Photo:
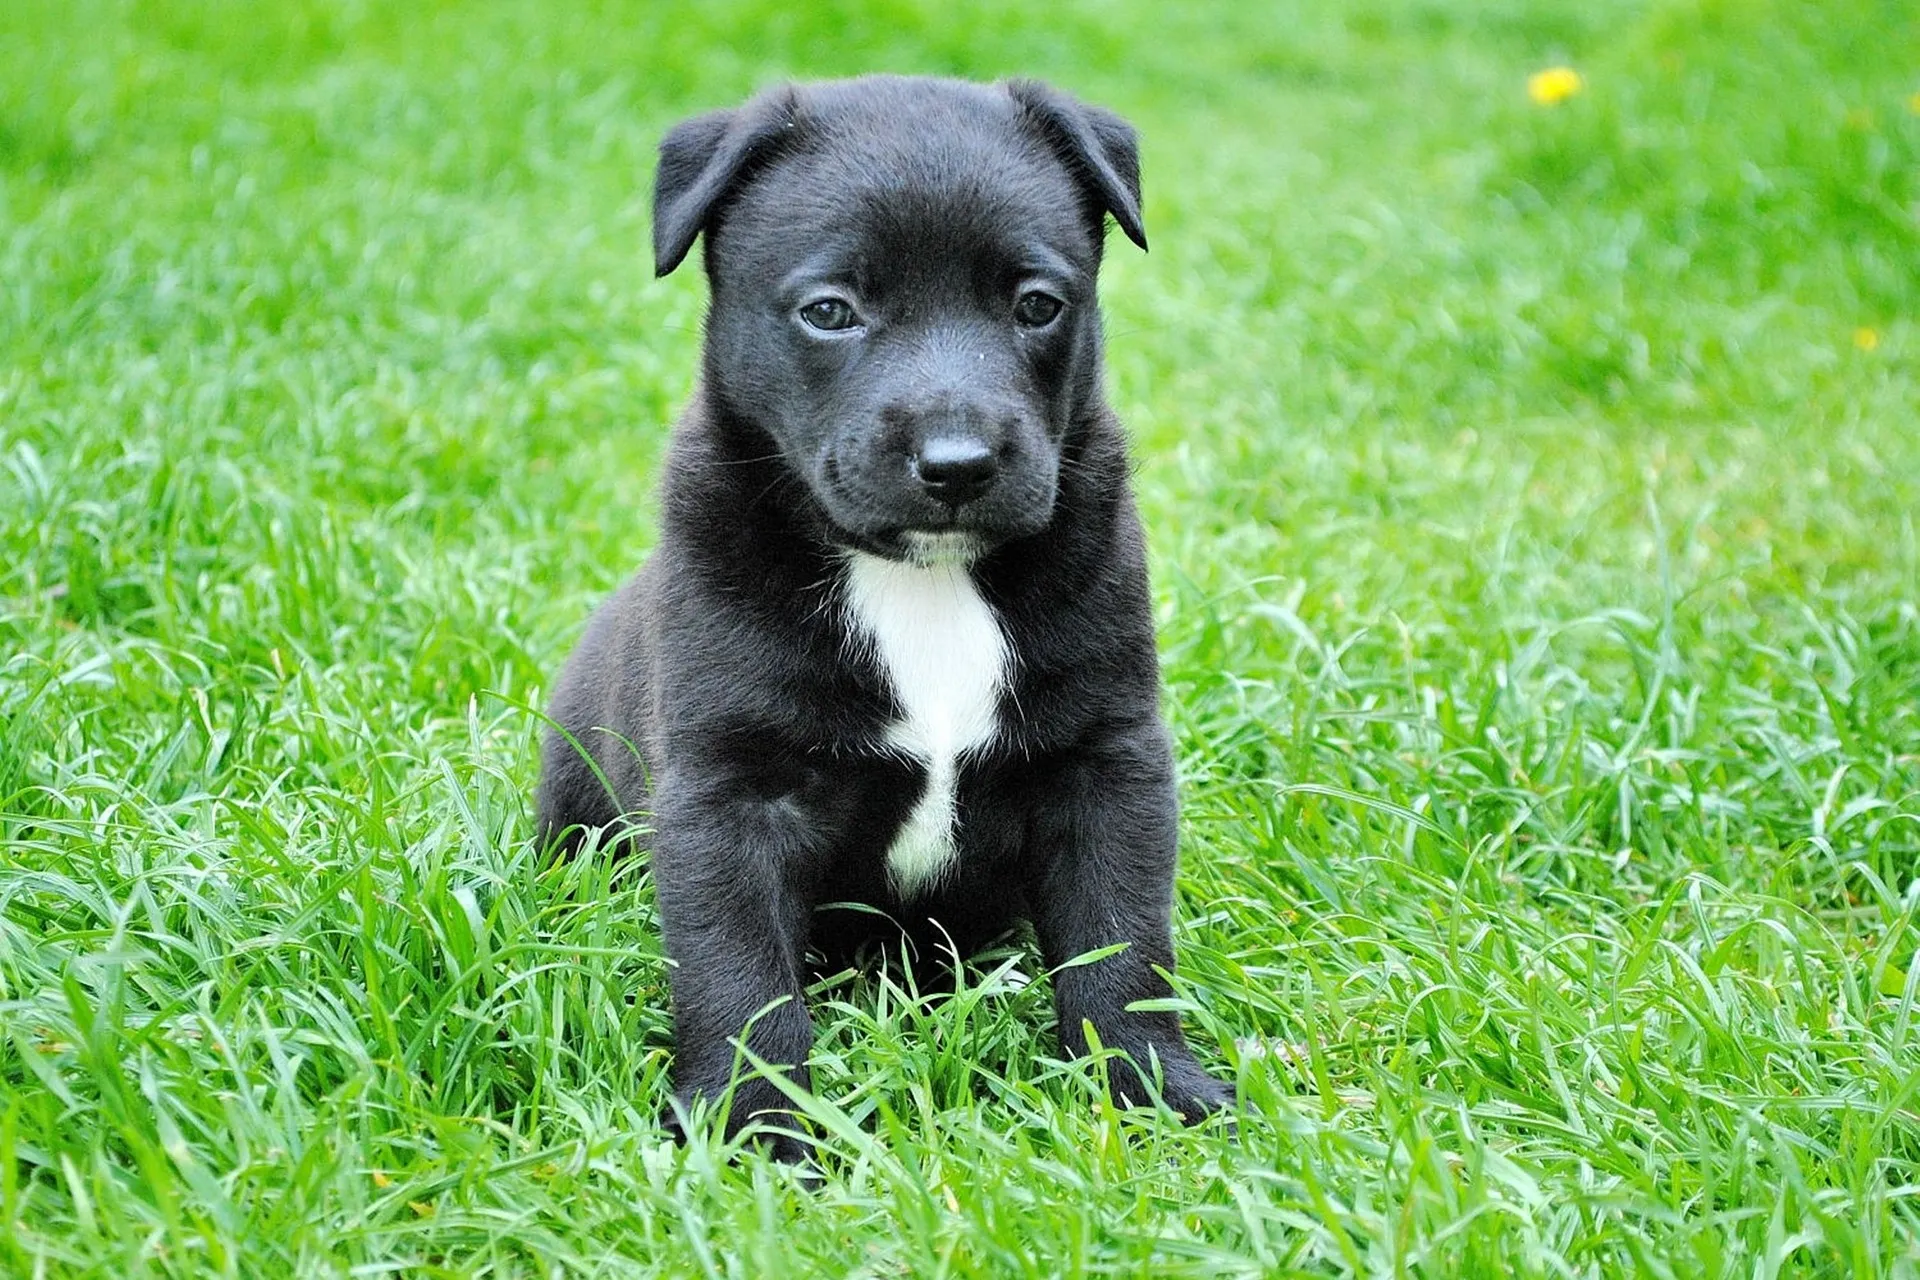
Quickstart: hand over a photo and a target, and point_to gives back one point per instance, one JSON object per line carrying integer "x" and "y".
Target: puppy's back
{"x": 593, "y": 759}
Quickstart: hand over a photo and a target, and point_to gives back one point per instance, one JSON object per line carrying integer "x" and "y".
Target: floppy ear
{"x": 701, "y": 160}
{"x": 1097, "y": 145}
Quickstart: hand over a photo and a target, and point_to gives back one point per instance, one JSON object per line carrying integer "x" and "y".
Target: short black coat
{"x": 722, "y": 701}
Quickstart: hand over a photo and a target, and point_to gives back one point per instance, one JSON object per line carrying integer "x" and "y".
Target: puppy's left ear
{"x": 702, "y": 161}
{"x": 1100, "y": 147}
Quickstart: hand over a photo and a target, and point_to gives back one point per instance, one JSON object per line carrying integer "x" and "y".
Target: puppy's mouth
{"x": 882, "y": 505}
{"x": 941, "y": 546}
{"x": 916, "y": 546}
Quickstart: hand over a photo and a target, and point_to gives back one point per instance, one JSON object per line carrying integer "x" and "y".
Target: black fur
{"x": 720, "y": 693}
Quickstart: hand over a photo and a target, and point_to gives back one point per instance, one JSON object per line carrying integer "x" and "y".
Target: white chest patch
{"x": 946, "y": 658}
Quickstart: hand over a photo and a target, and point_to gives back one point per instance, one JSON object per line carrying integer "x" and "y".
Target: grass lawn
{"x": 1532, "y": 492}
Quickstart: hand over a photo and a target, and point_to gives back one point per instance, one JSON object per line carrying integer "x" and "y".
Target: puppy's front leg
{"x": 732, "y": 875}
{"x": 1109, "y": 828}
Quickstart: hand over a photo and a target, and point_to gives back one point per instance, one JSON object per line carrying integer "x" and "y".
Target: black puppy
{"x": 894, "y": 646}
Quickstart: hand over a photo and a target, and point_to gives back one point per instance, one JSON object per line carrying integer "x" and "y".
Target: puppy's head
{"x": 903, "y": 276}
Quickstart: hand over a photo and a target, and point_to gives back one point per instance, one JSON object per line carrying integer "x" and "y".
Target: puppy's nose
{"x": 955, "y": 469}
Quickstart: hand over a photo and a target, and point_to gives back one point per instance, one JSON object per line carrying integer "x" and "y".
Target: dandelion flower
{"x": 1913, "y": 104}
{"x": 1553, "y": 86}
{"x": 1866, "y": 339}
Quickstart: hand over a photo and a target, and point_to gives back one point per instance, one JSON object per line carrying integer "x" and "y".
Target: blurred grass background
{"x": 1532, "y": 498}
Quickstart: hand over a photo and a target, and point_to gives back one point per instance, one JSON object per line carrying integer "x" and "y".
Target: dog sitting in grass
{"x": 895, "y": 644}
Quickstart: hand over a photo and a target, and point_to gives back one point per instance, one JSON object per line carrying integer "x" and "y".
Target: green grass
{"x": 1536, "y": 549}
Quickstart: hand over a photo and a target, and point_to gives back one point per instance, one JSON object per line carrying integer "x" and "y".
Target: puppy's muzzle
{"x": 955, "y": 451}
{"x": 980, "y": 469}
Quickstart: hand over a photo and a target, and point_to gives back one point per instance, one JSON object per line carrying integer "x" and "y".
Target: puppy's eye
{"x": 829, "y": 314}
{"x": 1037, "y": 310}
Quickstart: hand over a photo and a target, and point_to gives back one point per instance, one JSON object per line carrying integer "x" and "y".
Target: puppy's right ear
{"x": 702, "y": 160}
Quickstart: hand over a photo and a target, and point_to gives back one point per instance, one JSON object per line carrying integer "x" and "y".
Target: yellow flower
{"x": 1553, "y": 86}
{"x": 1866, "y": 339}
{"x": 1913, "y": 104}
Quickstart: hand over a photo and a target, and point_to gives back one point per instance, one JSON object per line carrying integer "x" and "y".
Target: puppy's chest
{"x": 945, "y": 658}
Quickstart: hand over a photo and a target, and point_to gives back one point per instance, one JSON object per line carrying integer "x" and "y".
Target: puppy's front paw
{"x": 1183, "y": 1085}
{"x": 790, "y": 1149}
{"x": 779, "y": 1133}
{"x": 1198, "y": 1096}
